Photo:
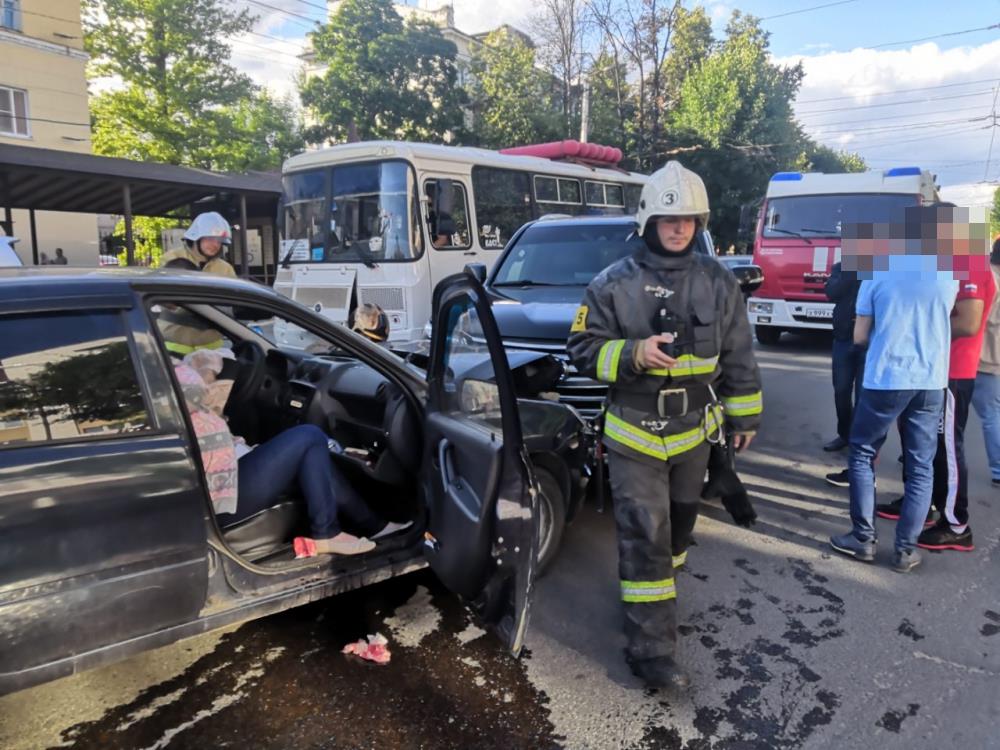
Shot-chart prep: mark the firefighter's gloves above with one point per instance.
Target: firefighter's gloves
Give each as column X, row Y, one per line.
column 647, row 355
column 739, row 507
column 742, row 440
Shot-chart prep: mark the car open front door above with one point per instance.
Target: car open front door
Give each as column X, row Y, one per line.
column 481, row 538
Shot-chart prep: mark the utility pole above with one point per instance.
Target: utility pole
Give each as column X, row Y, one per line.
column 585, row 111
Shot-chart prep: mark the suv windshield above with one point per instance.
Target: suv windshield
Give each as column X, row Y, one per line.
column 823, row 215
column 561, row 255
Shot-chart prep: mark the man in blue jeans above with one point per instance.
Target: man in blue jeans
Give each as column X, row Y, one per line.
column 903, row 315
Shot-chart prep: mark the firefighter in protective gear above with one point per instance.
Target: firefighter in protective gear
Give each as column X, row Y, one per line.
column 666, row 328
column 203, row 242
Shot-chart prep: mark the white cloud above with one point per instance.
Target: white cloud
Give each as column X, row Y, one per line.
column 944, row 129
column 474, row 16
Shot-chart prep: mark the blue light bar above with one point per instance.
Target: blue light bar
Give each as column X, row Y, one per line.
column 903, row 172
column 786, row 177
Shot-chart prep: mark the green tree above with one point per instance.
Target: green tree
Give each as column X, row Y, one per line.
column 612, row 106
column 819, row 158
column 383, row 78
column 179, row 99
column 512, row 103
column 147, row 232
column 995, row 214
column 690, row 44
column 735, row 115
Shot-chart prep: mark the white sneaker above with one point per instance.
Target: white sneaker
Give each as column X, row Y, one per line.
column 391, row 528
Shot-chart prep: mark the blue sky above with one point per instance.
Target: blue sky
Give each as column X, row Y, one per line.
column 865, row 23
column 927, row 103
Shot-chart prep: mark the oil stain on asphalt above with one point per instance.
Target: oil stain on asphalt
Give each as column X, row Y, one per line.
column 281, row 682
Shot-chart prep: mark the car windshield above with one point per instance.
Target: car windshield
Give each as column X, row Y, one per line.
column 823, row 215
column 561, row 255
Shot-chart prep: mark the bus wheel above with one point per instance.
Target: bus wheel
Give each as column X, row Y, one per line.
column 767, row 335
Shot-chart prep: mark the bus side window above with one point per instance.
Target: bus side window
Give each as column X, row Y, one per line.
column 447, row 215
column 503, row 204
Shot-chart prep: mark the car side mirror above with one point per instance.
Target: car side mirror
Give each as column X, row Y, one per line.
column 750, row 277
column 478, row 270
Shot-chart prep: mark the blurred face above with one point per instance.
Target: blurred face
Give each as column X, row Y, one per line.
column 210, row 246
column 675, row 232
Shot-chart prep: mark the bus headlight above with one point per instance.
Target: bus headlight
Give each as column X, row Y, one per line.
column 764, row 308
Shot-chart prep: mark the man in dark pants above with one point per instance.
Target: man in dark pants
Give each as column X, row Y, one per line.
column 848, row 358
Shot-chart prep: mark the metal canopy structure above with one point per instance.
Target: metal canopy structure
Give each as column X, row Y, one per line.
column 39, row 179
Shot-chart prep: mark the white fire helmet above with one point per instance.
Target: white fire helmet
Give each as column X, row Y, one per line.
column 210, row 224
column 672, row 190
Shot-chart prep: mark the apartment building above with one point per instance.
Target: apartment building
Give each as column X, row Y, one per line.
column 43, row 104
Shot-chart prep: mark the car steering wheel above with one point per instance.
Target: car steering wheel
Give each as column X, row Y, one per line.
column 252, row 368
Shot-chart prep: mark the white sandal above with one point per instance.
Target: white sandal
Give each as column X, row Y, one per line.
column 349, row 546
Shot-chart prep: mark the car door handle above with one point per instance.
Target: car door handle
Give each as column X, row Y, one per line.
column 460, row 493
column 469, row 252
column 446, row 462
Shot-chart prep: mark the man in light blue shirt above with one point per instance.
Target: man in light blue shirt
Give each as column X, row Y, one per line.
column 904, row 318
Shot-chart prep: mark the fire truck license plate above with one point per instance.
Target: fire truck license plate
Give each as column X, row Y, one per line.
column 819, row 313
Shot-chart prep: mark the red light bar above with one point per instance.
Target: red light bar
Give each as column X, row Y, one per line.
column 573, row 150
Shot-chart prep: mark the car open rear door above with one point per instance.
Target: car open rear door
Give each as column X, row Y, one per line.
column 481, row 538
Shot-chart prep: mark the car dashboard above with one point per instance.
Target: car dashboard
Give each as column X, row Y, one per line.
column 370, row 417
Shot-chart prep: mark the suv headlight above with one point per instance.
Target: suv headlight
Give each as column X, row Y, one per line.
column 765, row 308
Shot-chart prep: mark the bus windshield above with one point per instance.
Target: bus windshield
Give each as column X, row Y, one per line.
column 352, row 213
column 822, row 215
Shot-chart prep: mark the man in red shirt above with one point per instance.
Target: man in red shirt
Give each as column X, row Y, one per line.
column 976, row 290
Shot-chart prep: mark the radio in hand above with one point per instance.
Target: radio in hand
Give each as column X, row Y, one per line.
column 669, row 323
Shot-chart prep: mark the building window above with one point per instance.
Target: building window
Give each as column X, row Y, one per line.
column 10, row 14
column 13, row 111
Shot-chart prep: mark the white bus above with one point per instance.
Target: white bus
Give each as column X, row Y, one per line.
column 384, row 222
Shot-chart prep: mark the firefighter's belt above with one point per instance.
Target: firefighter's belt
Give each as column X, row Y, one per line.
column 669, row 402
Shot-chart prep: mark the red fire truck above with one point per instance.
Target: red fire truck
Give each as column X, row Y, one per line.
column 798, row 238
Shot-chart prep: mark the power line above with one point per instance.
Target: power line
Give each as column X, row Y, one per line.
column 806, row 10
column 902, row 127
column 952, row 110
column 993, row 134
column 937, row 36
column 894, row 91
column 896, row 104
column 292, row 14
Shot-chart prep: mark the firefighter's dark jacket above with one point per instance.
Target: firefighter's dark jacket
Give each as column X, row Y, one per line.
column 623, row 306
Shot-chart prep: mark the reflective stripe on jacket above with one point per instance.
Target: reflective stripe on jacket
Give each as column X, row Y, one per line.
column 623, row 305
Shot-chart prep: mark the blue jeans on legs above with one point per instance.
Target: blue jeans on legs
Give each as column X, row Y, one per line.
column 986, row 402
column 918, row 414
column 848, row 367
column 299, row 456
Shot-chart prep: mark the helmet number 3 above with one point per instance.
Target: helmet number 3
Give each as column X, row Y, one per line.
column 669, row 198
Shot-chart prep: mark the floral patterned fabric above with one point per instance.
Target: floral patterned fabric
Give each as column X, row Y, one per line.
column 215, row 441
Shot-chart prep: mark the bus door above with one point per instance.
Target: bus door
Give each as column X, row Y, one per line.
column 448, row 218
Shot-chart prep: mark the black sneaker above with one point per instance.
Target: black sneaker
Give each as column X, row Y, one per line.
column 839, row 479
column 659, row 673
column 941, row 536
column 837, row 444
column 892, row 510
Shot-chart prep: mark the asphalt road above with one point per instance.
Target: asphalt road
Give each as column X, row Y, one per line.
column 788, row 645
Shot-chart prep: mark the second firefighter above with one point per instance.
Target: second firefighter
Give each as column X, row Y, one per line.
column 667, row 329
